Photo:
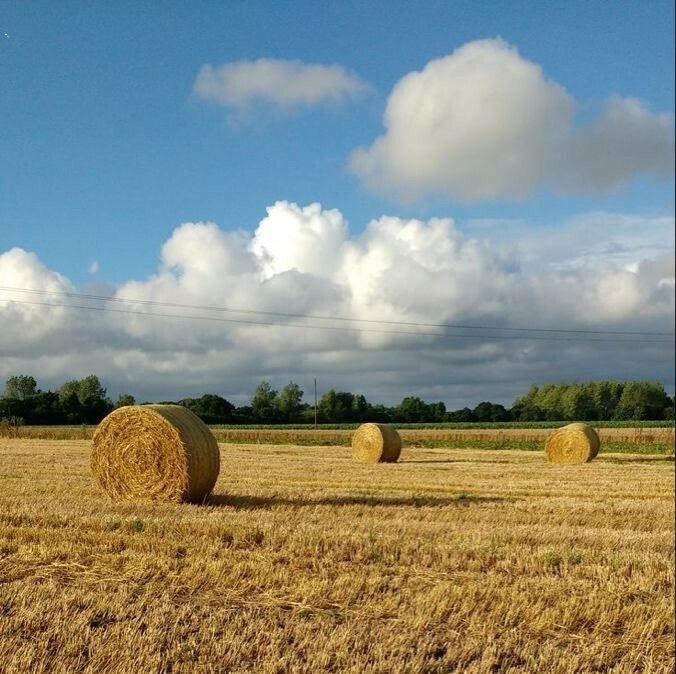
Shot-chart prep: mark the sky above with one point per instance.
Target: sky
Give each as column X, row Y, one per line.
column 395, row 165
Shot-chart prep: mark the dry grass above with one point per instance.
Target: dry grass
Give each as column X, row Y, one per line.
column 305, row 561
column 409, row 436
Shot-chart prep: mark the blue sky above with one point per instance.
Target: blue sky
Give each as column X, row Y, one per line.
column 557, row 186
column 104, row 149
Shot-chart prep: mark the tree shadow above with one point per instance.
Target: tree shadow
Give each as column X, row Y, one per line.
column 264, row 502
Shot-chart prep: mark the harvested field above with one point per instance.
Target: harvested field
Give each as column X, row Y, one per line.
column 304, row 560
column 644, row 439
column 661, row 438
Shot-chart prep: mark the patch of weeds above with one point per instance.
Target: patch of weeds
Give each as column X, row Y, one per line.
column 137, row 525
column 113, row 524
column 574, row 557
column 552, row 560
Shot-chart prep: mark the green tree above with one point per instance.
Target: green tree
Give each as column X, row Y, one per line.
column 550, row 400
column 670, row 409
column 641, row 400
column 380, row 414
column 336, row 406
column 69, row 390
column 487, row 411
column 290, row 401
column 361, row 410
column 125, row 400
column 607, row 395
column 211, row 408
column 526, row 411
column 527, row 407
column 412, row 410
column 84, row 400
column 577, row 403
column 436, row 412
column 263, row 403
column 530, row 398
column 20, row 387
column 90, row 389
column 465, row 415
column 44, row 409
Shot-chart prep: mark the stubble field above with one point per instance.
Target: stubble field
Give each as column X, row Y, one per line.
column 648, row 439
column 453, row 560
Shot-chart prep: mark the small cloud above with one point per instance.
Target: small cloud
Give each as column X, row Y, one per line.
column 93, row 267
column 287, row 84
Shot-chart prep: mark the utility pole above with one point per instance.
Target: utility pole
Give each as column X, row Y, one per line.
column 315, row 402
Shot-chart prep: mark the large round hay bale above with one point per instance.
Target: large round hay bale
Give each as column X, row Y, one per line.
column 574, row 443
column 155, row 452
column 376, row 443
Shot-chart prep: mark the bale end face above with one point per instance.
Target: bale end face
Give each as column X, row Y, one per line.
column 376, row 443
column 156, row 453
column 574, row 443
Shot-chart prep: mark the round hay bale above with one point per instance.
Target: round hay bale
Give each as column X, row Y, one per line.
column 376, row 443
column 574, row 443
column 155, row 452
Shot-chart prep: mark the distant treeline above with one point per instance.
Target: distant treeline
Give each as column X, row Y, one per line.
column 85, row 401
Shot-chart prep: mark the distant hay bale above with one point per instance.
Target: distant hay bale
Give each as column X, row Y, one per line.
column 574, row 443
column 376, row 443
column 155, row 452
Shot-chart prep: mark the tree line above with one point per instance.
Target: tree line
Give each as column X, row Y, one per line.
column 85, row 401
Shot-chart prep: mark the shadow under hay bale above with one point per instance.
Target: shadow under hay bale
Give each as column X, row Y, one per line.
column 574, row 443
column 376, row 443
column 155, row 452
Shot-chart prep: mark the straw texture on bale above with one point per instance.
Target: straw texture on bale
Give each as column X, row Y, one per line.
column 376, row 443
column 155, row 452
column 574, row 443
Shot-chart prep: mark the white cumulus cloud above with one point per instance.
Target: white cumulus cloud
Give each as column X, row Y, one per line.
column 303, row 261
column 625, row 140
column 40, row 311
column 306, row 239
column 284, row 83
column 486, row 123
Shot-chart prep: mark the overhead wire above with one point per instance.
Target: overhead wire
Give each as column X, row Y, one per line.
column 223, row 309
column 351, row 329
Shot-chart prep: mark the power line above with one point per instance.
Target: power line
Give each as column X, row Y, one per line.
column 338, row 328
column 454, row 326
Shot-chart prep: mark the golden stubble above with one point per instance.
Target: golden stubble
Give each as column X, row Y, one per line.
column 304, row 560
